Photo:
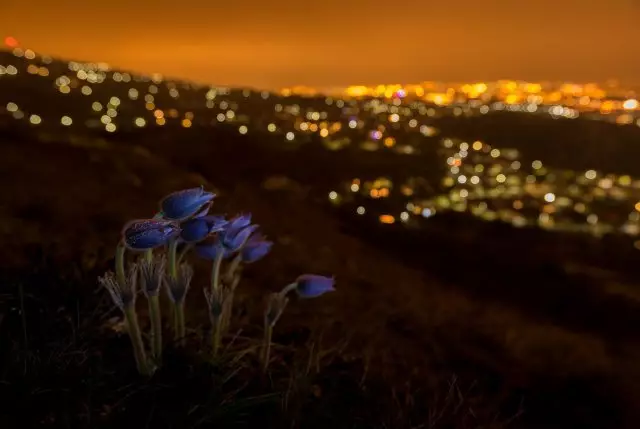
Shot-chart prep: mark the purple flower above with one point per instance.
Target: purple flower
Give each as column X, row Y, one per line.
column 255, row 248
column 184, row 204
column 240, row 221
column 311, row 285
column 198, row 228
column 234, row 238
column 145, row 234
column 211, row 249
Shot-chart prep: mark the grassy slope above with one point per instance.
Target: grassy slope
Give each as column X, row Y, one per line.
column 386, row 344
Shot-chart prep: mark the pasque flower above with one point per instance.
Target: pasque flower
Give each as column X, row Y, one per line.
column 210, row 250
column 312, row 285
column 123, row 295
column 231, row 238
column 237, row 232
column 146, row 234
column 123, row 291
column 199, row 228
column 178, row 286
column 152, row 273
column 184, row 204
column 255, row 248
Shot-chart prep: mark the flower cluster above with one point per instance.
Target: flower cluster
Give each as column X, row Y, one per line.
column 184, row 224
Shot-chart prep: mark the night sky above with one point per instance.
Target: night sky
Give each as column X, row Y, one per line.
column 338, row 42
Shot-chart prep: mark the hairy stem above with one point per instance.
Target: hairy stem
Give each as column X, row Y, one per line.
column 180, row 325
column 227, row 309
column 233, row 266
column 131, row 319
column 216, row 322
column 120, row 276
column 215, row 274
column 288, row 288
column 156, row 327
column 266, row 346
column 173, row 267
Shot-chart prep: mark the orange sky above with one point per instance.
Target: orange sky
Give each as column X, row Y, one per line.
column 338, row 42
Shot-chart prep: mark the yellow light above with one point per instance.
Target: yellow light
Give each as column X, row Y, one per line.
column 110, row 127
column 66, row 121
column 160, row 121
column 140, row 122
column 387, row 219
column 149, row 106
column 324, row 132
column 477, row 145
column 158, row 113
column 243, row 129
column 637, row 206
column 389, row 142
column 35, row 119
column 188, row 115
column 186, row 123
column 511, row 99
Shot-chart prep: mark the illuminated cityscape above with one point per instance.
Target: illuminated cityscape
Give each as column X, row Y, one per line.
column 487, row 182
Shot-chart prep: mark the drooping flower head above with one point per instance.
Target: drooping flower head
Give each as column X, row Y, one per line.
column 210, row 249
column 146, row 234
column 312, row 286
column 199, row 228
column 255, row 248
column 177, row 288
column 237, row 232
column 123, row 295
column 182, row 205
column 152, row 274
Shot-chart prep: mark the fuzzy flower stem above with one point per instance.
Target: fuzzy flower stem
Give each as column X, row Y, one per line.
column 266, row 346
column 156, row 327
column 227, row 309
column 180, row 328
column 233, row 266
column 173, row 267
column 215, row 273
column 120, row 276
column 217, row 334
column 148, row 255
column 131, row 319
column 288, row 288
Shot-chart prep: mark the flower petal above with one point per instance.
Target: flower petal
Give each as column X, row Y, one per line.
column 184, row 204
column 312, row 285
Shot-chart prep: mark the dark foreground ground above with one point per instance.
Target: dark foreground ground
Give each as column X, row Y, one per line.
column 456, row 333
